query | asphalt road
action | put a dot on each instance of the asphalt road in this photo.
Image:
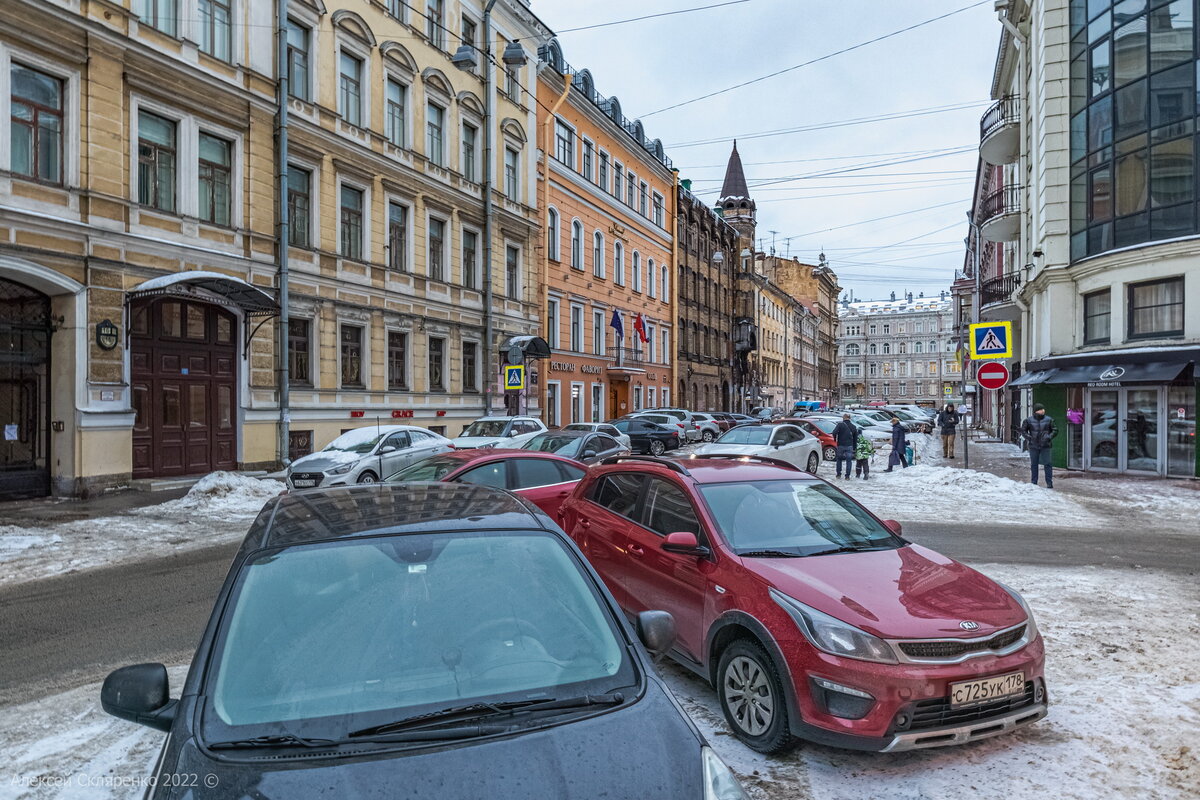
(71, 630)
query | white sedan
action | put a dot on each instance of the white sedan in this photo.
(785, 442)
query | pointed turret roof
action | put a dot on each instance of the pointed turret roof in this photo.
(735, 178)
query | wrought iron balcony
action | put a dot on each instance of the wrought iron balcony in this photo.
(628, 357)
(1000, 215)
(999, 290)
(1000, 131)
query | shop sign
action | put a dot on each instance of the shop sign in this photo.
(356, 414)
(402, 413)
(561, 366)
(591, 369)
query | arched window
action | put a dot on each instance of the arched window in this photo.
(933, 347)
(665, 283)
(918, 347)
(635, 271)
(651, 278)
(577, 244)
(598, 254)
(853, 350)
(902, 348)
(618, 263)
(887, 348)
(872, 349)
(552, 234)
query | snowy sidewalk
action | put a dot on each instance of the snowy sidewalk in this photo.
(217, 509)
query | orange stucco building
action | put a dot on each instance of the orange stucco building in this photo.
(608, 196)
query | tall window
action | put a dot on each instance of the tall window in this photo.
(437, 364)
(618, 264)
(650, 278)
(512, 271)
(552, 323)
(598, 254)
(598, 332)
(434, 20)
(1156, 309)
(470, 366)
(512, 174)
(630, 188)
(666, 350)
(214, 28)
(398, 9)
(351, 346)
(577, 329)
(37, 124)
(564, 143)
(161, 14)
(395, 112)
(299, 352)
(467, 29)
(156, 161)
(552, 234)
(635, 272)
(435, 119)
(398, 237)
(352, 223)
(663, 286)
(298, 67)
(658, 209)
(216, 199)
(1097, 316)
(437, 249)
(512, 82)
(643, 199)
(589, 160)
(350, 88)
(470, 138)
(470, 259)
(397, 360)
(618, 179)
(299, 206)
(577, 244)
(603, 181)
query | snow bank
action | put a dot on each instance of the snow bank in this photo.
(222, 493)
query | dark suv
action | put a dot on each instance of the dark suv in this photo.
(425, 640)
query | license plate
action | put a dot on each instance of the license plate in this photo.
(998, 687)
(304, 484)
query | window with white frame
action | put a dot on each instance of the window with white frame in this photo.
(598, 340)
(215, 180)
(597, 402)
(470, 258)
(512, 271)
(602, 178)
(651, 343)
(437, 364)
(350, 88)
(435, 12)
(598, 254)
(299, 39)
(576, 329)
(470, 150)
(635, 272)
(157, 156)
(398, 237)
(396, 112)
(470, 366)
(651, 277)
(398, 9)
(37, 124)
(630, 188)
(215, 29)
(436, 267)
(512, 174)
(658, 209)
(564, 143)
(397, 360)
(351, 353)
(643, 199)
(435, 127)
(351, 222)
(160, 14)
(664, 284)
(577, 244)
(589, 160)
(618, 264)
(299, 206)
(552, 234)
(618, 180)
(666, 347)
(552, 322)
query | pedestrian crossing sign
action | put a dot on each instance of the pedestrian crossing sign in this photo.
(514, 378)
(991, 340)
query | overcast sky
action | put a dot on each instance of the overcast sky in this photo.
(655, 63)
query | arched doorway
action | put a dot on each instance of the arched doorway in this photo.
(183, 358)
(25, 329)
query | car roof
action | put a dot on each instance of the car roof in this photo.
(497, 419)
(575, 434)
(710, 469)
(423, 507)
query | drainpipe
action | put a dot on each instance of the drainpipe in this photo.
(1003, 10)
(281, 181)
(671, 220)
(545, 146)
(488, 179)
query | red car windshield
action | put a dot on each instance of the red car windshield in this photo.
(792, 518)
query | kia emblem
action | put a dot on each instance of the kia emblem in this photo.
(967, 625)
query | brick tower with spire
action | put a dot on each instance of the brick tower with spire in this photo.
(734, 203)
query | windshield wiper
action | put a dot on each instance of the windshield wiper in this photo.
(479, 710)
(769, 554)
(847, 549)
(277, 740)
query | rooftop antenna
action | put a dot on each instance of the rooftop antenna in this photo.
(773, 241)
(787, 247)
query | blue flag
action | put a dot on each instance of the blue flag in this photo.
(616, 324)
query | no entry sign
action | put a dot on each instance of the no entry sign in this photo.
(992, 375)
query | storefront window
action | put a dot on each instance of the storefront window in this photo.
(1181, 431)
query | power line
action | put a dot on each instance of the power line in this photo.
(878, 219)
(647, 16)
(819, 59)
(828, 158)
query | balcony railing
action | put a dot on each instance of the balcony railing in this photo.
(1000, 132)
(628, 357)
(999, 290)
(1005, 111)
(1000, 215)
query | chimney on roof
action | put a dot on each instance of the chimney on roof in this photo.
(942, 295)
(909, 295)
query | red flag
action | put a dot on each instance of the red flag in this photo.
(639, 327)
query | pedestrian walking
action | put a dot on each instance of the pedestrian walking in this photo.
(1039, 431)
(948, 419)
(845, 434)
(863, 450)
(899, 443)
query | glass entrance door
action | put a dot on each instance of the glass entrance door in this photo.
(1123, 430)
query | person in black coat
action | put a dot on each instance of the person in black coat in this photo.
(1039, 431)
(948, 419)
(845, 437)
(899, 443)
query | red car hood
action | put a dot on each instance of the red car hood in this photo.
(910, 592)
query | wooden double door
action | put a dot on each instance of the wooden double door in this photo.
(184, 376)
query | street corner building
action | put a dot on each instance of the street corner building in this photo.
(139, 303)
(607, 193)
(1084, 231)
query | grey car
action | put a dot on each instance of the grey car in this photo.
(364, 455)
(582, 446)
(710, 429)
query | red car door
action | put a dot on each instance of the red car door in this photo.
(545, 481)
(597, 524)
(658, 580)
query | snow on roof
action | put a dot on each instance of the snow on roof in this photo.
(917, 304)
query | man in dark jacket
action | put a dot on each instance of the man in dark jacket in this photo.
(947, 420)
(899, 443)
(1039, 432)
(845, 436)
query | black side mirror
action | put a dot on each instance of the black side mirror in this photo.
(140, 694)
(656, 630)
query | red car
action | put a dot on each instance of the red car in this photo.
(823, 432)
(544, 478)
(812, 618)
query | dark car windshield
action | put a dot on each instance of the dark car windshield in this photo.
(429, 469)
(795, 517)
(746, 435)
(486, 427)
(554, 443)
(323, 639)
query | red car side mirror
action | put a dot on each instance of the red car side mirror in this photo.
(684, 543)
(893, 526)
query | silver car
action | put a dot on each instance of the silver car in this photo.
(364, 455)
(601, 427)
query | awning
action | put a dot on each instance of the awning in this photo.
(1035, 377)
(212, 287)
(1119, 374)
(529, 346)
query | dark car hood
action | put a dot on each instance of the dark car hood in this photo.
(645, 749)
(910, 592)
